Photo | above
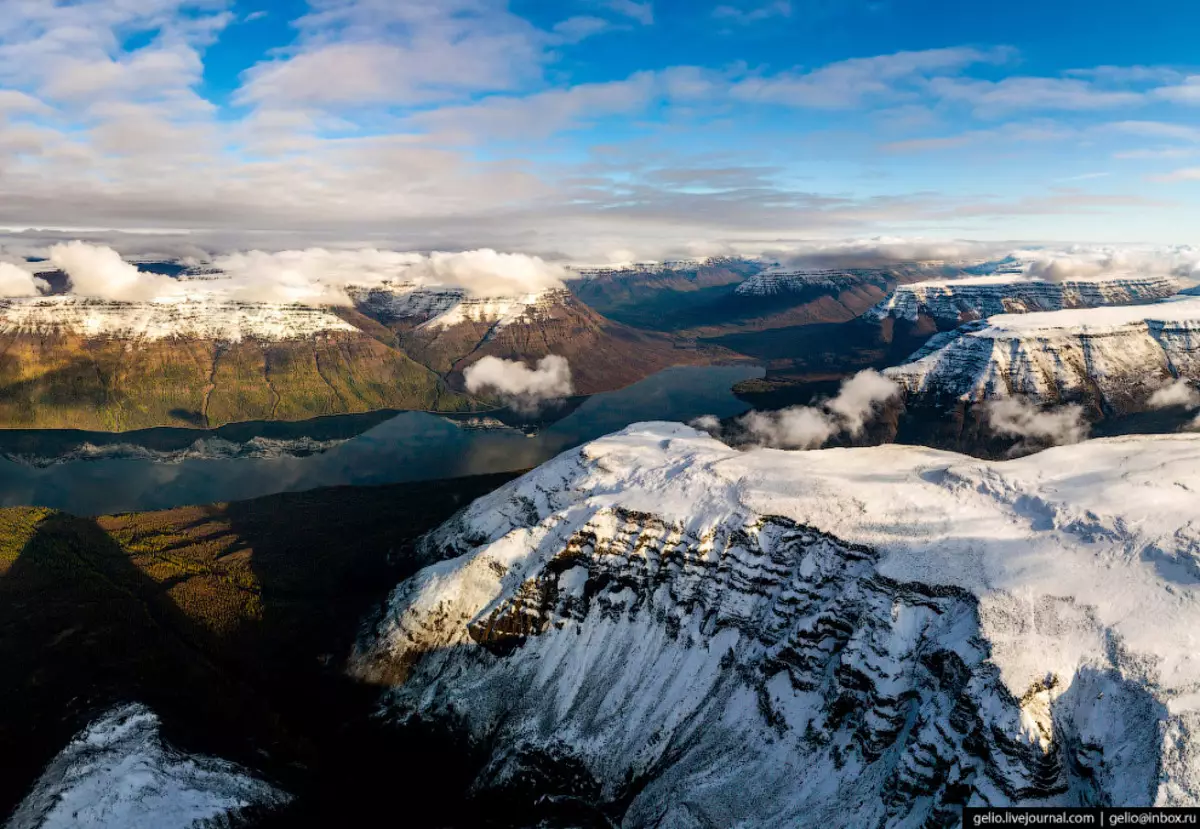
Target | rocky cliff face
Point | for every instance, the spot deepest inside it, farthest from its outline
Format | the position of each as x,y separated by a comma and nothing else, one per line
686,636
950,304
1112,359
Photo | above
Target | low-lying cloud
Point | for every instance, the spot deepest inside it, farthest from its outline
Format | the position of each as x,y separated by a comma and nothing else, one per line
1036,427
97,271
314,276
518,384
810,427
883,252
1180,393
322,276
1181,262
16,281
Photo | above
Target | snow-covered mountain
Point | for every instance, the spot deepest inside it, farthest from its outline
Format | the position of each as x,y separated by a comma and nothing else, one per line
439,308
951,303
118,773
777,281
1114,358
671,266
174,317
693,636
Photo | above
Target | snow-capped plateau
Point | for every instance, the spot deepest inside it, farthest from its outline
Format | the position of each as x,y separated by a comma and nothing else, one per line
846,637
772,283
119,773
1116,357
668,266
165,318
952,302
446,307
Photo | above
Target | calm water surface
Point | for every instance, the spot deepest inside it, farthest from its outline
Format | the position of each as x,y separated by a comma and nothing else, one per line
411,446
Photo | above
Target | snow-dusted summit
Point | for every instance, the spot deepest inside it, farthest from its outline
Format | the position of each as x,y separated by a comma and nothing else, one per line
952,302
203,318
849,637
119,774
1114,357
439,308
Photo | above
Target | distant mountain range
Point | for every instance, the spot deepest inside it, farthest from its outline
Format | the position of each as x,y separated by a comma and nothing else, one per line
70,362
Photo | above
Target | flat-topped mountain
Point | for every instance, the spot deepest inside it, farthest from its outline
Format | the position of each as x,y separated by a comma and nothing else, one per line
1112,359
680,634
951,303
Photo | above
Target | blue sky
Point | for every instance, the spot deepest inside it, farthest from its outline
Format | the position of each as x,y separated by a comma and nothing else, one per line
602,129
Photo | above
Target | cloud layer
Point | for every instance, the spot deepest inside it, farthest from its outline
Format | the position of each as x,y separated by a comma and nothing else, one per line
315,276
464,124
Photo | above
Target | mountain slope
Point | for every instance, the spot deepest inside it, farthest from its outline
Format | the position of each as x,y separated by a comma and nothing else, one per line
683,635
71,362
448,333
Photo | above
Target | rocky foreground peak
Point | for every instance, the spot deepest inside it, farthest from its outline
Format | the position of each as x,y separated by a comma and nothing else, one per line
708,637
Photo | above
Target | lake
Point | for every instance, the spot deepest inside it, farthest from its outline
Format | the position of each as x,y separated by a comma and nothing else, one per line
89,474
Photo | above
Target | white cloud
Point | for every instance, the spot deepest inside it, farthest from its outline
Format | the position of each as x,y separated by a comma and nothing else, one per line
320,276
357,52
1179,393
1187,92
642,12
96,271
809,427
16,281
848,83
998,98
1184,174
314,276
580,27
753,14
1037,427
1082,262
513,380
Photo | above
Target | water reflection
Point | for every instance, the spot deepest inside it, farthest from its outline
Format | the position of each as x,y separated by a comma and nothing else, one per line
406,447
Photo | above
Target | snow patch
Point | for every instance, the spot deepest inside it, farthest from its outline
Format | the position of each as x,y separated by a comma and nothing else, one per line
119,773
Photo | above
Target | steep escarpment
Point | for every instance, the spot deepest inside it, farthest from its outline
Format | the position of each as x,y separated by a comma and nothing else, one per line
1111,359
71,362
950,304
709,638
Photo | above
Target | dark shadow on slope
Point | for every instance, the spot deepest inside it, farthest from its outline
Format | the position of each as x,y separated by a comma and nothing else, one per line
273,592
232,622
82,629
